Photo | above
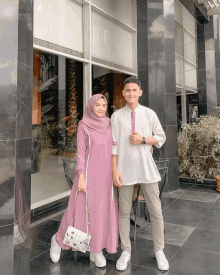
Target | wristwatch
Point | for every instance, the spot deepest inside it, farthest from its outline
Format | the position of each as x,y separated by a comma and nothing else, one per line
143,142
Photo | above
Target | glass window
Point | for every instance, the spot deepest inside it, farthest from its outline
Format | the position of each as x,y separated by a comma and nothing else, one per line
178,13
189,48
109,83
57,105
190,76
186,58
179,40
189,22
119,9
110,41
185,46
179,71
59,22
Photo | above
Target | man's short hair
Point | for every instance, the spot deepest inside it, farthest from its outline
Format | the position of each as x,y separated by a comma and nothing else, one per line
132,79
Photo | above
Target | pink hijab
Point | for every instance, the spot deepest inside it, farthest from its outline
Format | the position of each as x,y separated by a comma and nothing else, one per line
92,121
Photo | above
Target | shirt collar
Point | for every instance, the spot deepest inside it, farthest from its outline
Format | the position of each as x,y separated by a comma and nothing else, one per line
135,110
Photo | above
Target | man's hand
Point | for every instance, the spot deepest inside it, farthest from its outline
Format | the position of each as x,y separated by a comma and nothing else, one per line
117,178
135,138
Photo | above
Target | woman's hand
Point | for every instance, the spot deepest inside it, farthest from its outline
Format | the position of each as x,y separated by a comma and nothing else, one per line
117,178
81,184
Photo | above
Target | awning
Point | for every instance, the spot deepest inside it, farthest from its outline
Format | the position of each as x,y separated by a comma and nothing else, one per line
212,6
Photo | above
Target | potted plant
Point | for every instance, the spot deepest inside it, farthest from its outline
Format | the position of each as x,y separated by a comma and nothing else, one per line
199,148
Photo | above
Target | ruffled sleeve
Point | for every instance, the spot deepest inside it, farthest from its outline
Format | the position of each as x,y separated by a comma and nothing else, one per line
81,150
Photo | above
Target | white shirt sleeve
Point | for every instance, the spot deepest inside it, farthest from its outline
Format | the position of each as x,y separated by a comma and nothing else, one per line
158,131
114,137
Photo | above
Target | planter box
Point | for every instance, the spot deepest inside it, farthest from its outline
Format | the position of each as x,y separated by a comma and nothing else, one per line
69,154
187,180
211,182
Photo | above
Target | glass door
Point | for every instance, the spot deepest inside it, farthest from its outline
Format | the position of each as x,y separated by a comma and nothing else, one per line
57,106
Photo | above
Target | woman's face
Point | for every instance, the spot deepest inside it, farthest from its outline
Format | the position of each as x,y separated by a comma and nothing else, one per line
100,107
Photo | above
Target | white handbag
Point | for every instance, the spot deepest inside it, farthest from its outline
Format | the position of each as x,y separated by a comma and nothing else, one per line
76,238
19,235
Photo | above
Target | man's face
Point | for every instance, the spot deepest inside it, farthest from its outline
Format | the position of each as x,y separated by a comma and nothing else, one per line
131,93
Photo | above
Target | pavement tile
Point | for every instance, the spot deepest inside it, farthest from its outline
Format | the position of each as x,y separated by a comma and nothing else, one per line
175,194
193,206
200,196
205,240
142,253
174,234
188,261
186,218
210,222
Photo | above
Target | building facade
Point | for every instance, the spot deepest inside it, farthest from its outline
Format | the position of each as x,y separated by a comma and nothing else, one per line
55,55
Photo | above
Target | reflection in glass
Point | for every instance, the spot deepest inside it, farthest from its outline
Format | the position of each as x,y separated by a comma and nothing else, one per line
189,47
55,21
74,104
179,71
192,103
178,13
56,108
190,76
109,83
179,40
44,106
189,22
179,112
119,9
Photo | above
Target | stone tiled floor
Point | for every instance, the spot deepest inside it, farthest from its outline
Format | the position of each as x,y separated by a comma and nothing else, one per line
192,240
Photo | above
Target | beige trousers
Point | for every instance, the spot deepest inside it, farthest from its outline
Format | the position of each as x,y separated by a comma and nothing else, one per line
151,195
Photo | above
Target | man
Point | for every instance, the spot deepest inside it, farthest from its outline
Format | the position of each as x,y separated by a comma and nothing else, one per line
132,163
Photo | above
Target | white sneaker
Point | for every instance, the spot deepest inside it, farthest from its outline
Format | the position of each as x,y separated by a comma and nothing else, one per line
122,262
162,262
55,250
98,259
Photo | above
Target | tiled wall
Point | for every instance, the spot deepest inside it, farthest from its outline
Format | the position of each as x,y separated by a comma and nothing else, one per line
156,70
15,132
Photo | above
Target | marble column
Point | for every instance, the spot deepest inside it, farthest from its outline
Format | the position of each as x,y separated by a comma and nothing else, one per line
211,53
156,70
217,60
208,65
16,69
201,69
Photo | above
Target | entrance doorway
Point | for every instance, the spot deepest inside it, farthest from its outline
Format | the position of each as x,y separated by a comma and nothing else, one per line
110,84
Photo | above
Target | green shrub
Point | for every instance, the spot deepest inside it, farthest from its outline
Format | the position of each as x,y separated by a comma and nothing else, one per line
199,148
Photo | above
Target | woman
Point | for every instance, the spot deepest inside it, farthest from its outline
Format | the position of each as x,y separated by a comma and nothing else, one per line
94,142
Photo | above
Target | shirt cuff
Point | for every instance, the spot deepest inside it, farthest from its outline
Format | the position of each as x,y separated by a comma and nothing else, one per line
114,150
80,171
161,140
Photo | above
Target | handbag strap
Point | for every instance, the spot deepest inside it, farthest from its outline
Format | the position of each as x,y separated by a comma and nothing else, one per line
87,214
87,210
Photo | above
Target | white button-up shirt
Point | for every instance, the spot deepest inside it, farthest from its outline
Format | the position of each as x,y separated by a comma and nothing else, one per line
135,162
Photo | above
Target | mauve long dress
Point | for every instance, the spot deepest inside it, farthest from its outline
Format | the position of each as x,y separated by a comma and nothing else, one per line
93,160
